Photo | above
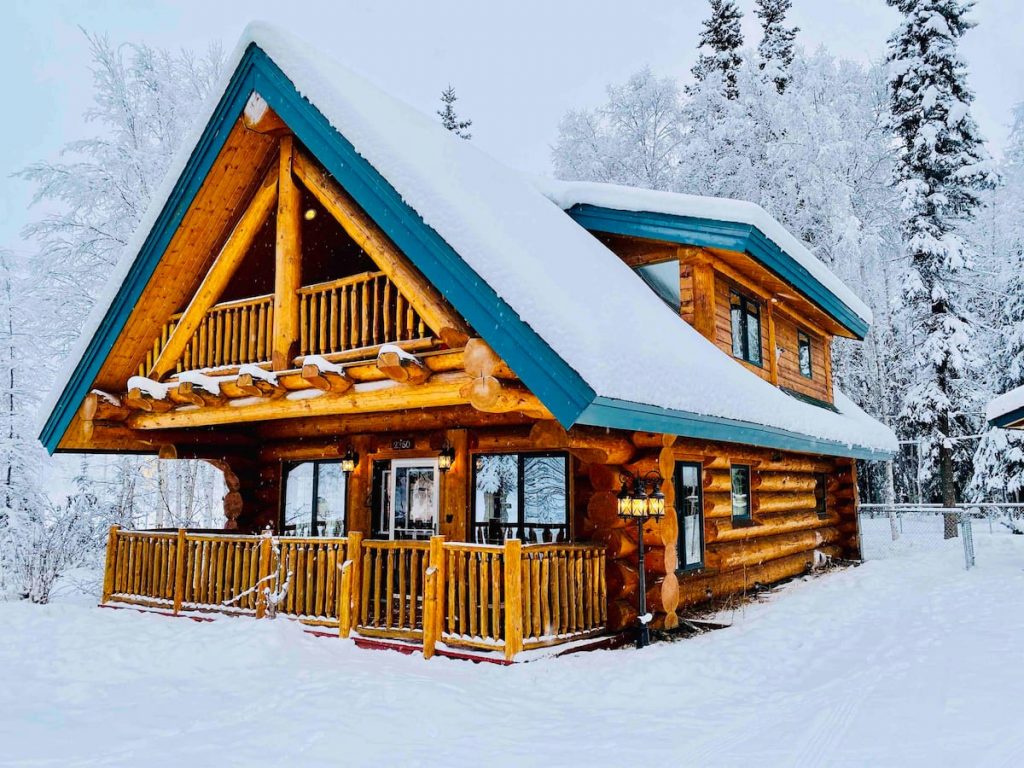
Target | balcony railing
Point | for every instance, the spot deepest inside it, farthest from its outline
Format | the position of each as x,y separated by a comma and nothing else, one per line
504,598
363,310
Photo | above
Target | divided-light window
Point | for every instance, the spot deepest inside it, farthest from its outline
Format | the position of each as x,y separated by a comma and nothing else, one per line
745,314
520,496
803,344
314,499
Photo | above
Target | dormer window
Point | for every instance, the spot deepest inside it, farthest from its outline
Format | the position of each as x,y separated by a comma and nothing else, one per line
746,328
803,345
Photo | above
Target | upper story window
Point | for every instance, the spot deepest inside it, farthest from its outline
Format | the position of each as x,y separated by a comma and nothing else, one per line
746,328
803,346
521,496
314,499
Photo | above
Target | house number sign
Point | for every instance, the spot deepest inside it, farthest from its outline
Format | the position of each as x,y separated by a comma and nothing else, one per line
401,444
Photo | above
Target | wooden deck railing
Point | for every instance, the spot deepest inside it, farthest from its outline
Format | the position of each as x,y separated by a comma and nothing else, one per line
363,310
504,598
360,311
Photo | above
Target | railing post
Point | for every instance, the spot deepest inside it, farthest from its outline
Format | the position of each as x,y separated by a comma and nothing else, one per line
345,600
436,562
354,553
110,565
513,597
430,611
179,570
266,559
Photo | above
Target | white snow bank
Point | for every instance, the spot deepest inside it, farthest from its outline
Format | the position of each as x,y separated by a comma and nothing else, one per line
566,194
592,309
905,662
1005,403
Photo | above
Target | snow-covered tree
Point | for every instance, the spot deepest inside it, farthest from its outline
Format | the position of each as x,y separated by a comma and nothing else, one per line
449,118
632,139
719,46
943,165
775,51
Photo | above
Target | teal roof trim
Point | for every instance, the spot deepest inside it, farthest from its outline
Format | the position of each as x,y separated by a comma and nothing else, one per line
728,235
621,414
1010,420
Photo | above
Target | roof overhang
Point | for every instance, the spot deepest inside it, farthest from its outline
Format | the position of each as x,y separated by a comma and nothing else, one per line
1007,410
727,235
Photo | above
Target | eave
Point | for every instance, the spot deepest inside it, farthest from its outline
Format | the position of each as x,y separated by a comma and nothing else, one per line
727,235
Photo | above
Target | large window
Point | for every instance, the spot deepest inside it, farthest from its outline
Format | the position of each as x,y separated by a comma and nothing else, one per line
803,344
690,513
314,499
746,328
520,496
740,493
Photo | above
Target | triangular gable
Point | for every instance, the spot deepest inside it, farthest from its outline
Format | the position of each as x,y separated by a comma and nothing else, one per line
569,318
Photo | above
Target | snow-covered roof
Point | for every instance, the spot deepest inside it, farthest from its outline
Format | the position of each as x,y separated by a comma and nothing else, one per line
1007,410
633,354
566,194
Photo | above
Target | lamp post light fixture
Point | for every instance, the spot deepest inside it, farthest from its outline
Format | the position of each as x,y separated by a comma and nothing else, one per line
445,458
641,499
349,461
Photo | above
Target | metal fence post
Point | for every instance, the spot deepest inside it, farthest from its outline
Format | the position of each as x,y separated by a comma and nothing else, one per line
967,534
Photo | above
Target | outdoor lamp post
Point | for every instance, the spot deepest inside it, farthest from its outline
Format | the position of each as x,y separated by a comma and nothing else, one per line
641,499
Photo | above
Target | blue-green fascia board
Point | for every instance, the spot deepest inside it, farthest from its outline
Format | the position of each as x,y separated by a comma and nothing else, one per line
622,414
1010,420
547,375
728,235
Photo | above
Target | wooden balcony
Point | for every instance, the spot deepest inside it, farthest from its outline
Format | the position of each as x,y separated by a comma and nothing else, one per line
353,313
502,598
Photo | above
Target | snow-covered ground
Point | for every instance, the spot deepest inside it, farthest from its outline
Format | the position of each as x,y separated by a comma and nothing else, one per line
909,661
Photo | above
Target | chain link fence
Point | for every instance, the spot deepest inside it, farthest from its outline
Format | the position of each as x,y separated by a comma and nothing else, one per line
897,530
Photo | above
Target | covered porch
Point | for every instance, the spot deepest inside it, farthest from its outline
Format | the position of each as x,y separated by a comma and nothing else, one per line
504,598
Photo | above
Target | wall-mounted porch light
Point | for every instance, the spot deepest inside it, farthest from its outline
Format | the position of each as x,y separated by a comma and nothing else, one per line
349,461
641,499
445,458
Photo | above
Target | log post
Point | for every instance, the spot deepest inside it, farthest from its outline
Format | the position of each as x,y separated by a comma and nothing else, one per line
345,600
354,553
513,597
287,261
436,562
266,560
110,565
180,549
430,617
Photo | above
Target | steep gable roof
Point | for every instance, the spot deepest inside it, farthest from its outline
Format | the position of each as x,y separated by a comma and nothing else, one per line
579,328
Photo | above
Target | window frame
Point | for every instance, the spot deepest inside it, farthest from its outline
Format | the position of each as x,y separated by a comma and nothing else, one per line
821,494
803,336
520,524
748,308
685,567
286,467
748,516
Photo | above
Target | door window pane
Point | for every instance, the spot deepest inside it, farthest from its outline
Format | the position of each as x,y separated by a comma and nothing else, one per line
298,499
330,499
415,502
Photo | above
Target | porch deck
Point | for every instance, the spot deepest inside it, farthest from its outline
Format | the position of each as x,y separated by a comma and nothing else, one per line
506,598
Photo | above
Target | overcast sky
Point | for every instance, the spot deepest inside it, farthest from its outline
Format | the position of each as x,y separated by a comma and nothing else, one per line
516,66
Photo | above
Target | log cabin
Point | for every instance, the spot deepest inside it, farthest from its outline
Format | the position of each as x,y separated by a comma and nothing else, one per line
425,378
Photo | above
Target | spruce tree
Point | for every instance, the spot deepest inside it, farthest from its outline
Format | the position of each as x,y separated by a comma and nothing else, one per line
449,119
719,44
775,50
942,167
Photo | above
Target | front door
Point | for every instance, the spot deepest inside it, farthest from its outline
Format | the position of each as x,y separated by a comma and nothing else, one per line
411,500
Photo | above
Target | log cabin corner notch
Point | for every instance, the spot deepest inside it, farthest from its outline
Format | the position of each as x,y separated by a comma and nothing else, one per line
334,273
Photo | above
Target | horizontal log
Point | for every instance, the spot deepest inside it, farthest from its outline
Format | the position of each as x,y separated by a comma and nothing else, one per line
591,446
621,580
663,594
723,530
401,367
782,502
603,510
481,360
622,614
700,589
787,482
740,554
